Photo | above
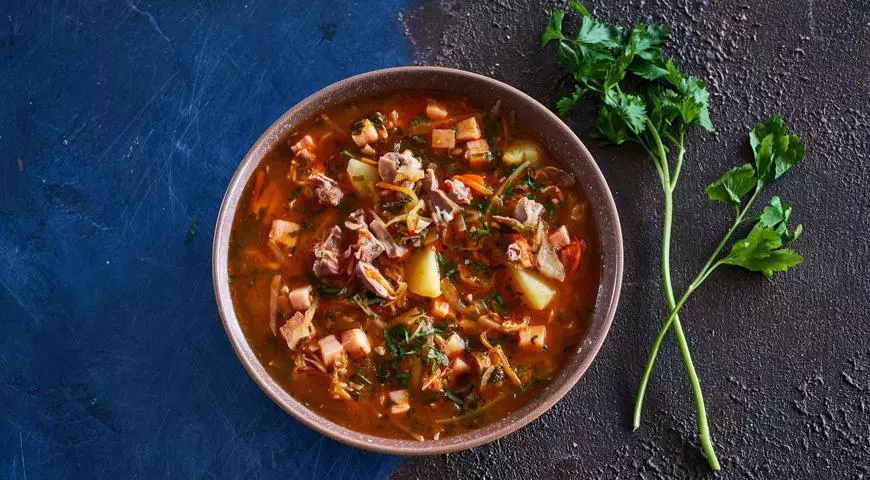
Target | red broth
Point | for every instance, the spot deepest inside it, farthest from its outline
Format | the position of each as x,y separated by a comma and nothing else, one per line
404,306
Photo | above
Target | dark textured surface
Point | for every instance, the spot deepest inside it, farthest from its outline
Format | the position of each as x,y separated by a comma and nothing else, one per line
120,124
129,118
785,363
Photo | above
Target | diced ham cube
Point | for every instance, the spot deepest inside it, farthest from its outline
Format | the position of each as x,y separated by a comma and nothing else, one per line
367,133
533,338
400,400
459,367
355,342
300,297
296,330
305,143
436,111
454,346
400,396
560,238
440,308
467,129
284,232
330,349
477,153
443,138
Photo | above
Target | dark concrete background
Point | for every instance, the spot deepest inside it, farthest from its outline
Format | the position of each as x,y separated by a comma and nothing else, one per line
785,364
121,123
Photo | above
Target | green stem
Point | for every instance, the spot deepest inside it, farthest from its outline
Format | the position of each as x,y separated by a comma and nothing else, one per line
701,411
705,272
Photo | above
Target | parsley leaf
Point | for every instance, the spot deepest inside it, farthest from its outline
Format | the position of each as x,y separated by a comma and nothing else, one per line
761,251
733,185
775,151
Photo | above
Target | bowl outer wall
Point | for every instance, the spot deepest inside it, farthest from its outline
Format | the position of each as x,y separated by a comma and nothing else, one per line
547,128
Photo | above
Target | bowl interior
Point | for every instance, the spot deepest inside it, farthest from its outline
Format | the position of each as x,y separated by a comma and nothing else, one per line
539,121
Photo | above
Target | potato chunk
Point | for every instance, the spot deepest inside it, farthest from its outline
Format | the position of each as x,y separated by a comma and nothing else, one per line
422,273
535,291
522,151
362,177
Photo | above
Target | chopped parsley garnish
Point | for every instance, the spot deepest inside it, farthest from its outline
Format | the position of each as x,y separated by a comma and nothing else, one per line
346,154
453,398
447,267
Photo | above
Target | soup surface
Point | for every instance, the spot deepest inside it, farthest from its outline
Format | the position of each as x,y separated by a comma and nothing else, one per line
413,265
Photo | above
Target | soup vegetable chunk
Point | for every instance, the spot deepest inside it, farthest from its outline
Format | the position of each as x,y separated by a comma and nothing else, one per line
413,265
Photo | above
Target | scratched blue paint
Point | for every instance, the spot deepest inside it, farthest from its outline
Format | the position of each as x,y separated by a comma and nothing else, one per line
129,118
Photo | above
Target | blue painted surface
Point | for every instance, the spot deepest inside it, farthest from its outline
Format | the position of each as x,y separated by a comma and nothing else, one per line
129,119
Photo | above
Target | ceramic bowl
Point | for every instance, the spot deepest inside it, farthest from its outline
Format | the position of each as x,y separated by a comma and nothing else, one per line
541,123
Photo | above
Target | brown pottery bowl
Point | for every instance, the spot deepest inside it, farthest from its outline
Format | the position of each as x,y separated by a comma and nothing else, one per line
559,140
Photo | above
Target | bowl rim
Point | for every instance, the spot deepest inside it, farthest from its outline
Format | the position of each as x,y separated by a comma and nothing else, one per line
607,298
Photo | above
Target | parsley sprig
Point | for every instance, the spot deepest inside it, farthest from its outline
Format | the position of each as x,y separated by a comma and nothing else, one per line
644,98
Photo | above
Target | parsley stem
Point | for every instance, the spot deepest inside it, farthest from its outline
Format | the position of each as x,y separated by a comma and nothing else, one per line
673,318
668,188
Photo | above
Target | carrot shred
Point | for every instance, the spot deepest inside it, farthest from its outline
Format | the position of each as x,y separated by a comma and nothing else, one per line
474,182
400,189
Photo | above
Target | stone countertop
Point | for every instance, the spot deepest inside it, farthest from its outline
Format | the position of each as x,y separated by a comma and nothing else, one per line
125,120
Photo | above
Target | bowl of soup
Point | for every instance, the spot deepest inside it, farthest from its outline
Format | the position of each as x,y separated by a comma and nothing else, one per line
417,260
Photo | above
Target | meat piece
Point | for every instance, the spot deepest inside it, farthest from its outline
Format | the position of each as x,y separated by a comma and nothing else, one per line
330,349
443,138
374,280
430,181
395,167
326,255
326,189
436,111
520,252
528,211
443,208
379,229
300,297
458,192
549,264
356,220
297,329
364,133
533,338
304,143
284,233
560,238
510,222
367,247
454,345
467,129
556,176
356,342
554,193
